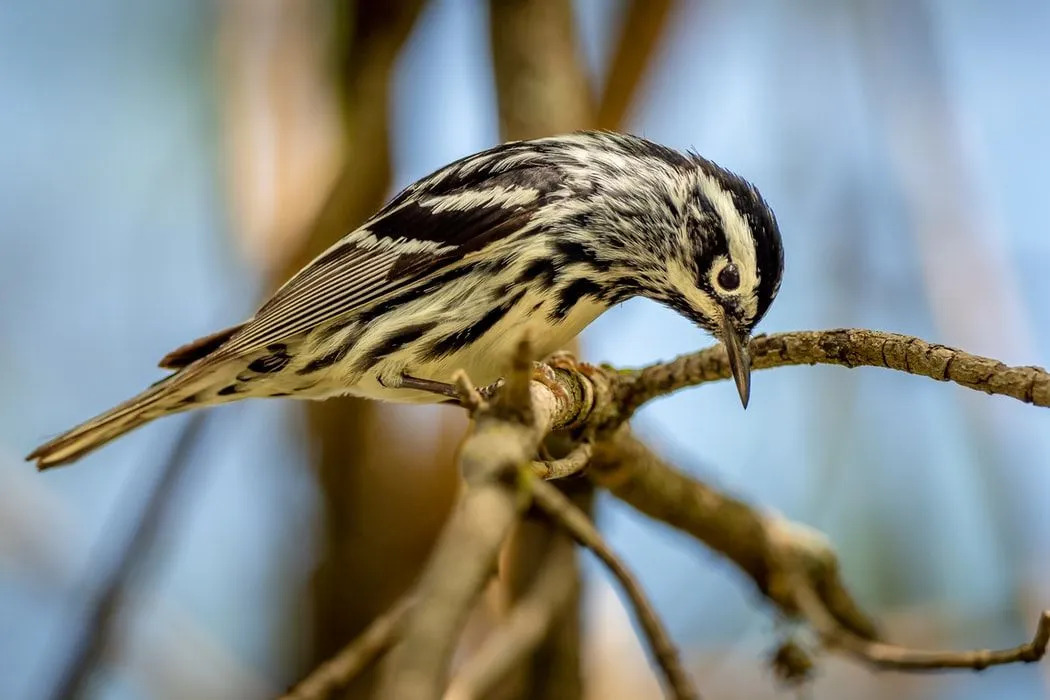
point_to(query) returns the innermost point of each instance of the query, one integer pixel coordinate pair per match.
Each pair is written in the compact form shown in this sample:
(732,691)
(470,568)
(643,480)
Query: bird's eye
(729,277)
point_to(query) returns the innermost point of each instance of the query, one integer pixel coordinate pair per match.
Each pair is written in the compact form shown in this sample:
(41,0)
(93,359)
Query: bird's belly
(486,359)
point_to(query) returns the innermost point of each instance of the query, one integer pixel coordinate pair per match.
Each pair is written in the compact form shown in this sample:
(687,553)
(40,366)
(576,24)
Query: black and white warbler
(531,237)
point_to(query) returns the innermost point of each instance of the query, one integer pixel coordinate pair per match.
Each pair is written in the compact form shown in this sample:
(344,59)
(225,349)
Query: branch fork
(793,566)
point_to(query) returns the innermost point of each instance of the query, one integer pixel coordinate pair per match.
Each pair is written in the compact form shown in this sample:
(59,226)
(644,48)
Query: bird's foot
(543,372)
(563,359)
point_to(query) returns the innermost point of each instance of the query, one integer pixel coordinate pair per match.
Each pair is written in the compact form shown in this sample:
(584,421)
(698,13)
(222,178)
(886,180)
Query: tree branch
(793,566)
(644,24)
(761,546)
(565,466)
(890,656)
(595,401)
(505,437)
(334,675)
(846,347)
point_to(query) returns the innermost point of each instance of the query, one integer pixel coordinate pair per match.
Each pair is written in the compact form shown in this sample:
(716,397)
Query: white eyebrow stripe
(739,237)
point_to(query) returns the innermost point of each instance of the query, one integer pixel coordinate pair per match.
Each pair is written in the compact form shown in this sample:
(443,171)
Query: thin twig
(576,523)
(890,656)
(94,636)
(470,397)
(336,673)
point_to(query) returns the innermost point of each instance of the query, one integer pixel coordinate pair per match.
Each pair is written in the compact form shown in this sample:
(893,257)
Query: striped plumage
(536,237)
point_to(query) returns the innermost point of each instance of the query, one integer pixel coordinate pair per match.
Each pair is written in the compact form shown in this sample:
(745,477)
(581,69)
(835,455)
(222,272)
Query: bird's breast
(534,316)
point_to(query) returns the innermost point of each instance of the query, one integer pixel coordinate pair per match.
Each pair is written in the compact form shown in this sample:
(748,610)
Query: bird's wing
(421,232)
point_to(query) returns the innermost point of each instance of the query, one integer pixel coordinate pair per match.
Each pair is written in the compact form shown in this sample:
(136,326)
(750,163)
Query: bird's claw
(543,372)
(563,359)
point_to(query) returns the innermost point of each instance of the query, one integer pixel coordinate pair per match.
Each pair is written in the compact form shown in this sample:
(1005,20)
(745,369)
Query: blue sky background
(905,204)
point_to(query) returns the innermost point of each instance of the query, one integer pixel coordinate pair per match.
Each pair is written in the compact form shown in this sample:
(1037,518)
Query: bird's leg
(407,381)
(431,386)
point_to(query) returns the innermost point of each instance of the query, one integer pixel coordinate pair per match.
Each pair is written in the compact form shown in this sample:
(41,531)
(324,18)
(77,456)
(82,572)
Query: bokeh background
(163,163)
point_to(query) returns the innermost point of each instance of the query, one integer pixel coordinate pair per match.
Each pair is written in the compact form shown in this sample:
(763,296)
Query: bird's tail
(175,393)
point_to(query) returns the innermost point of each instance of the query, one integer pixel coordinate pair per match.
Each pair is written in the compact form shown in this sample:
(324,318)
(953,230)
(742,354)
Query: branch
(568,465)
(791,565)
(641,31)
(505,437)
(890,656)
(541,81)
(577,524)
(595,401)
(336,673)
(761,546)
(846,347)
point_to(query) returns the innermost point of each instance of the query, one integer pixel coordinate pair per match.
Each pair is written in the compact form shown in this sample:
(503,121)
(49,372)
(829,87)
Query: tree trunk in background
(369,552)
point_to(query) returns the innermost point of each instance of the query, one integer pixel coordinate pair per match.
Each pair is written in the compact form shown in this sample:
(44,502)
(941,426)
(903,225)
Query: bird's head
(647,220)
(725,270)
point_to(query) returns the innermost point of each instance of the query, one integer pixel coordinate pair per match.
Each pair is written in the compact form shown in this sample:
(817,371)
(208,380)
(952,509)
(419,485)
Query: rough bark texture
(849,347)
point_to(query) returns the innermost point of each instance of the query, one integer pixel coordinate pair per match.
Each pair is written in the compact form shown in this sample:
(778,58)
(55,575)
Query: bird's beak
(739,359)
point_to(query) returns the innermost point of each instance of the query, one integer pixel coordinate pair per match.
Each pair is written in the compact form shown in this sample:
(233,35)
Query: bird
(532,238)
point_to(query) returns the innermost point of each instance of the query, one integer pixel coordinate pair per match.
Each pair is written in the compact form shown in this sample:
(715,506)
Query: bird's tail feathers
(172,394)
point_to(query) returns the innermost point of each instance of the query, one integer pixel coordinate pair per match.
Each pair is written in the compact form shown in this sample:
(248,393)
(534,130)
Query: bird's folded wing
(405,244)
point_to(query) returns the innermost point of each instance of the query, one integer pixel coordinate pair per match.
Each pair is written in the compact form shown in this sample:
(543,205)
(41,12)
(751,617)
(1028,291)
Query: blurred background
(164,163)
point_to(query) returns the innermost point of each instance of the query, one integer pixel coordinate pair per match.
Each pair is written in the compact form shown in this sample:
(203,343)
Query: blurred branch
(643,26)
(40,544)
(358,574)
(541,83)
(368,40)
(522,631)
(899,658)
(791,565)
(542,88)
(734,529)
(95,634)
(334,674)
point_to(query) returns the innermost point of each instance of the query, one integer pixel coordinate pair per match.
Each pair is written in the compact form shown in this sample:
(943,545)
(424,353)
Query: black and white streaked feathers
(506,193)
(531,237)
(482,202)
